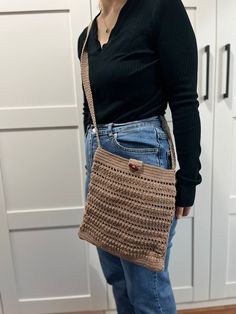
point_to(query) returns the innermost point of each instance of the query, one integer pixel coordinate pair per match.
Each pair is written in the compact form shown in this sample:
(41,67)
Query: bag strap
(87,89)
(85,79)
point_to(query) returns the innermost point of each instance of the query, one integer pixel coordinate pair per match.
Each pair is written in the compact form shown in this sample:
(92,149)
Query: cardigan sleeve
(86,113)
(176,47)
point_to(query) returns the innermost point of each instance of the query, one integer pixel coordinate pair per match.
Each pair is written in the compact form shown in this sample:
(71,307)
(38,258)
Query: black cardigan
(151,59)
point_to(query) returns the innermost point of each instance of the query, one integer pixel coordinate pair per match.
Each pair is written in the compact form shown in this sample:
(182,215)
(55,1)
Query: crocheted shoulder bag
(130,204)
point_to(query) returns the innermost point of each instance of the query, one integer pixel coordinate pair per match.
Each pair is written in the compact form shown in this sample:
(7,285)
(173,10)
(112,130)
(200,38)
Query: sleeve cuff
(185,195)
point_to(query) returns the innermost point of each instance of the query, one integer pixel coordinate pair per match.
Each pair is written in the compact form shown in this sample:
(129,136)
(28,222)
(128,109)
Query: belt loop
(109,129)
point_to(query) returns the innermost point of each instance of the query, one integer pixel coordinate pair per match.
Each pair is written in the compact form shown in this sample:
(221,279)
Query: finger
(186,211)
(179,212)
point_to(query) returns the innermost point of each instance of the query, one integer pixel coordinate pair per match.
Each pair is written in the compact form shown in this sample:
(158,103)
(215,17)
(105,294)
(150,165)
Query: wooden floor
(211,310)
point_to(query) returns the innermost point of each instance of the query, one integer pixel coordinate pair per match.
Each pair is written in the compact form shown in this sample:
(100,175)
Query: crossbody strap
(87,89)
(85,79)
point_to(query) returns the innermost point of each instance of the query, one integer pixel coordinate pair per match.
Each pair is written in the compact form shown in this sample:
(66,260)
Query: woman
(143,54)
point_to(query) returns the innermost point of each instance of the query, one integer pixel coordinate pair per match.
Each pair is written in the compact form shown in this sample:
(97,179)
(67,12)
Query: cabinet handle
(227,49)
(207,50)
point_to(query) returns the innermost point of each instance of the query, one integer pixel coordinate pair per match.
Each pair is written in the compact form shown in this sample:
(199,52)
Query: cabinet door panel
(223,275)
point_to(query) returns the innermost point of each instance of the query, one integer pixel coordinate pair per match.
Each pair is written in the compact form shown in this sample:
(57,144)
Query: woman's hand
(182,211)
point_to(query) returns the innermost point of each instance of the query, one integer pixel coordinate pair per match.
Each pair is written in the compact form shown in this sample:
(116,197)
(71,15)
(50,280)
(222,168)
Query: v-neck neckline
(103,47)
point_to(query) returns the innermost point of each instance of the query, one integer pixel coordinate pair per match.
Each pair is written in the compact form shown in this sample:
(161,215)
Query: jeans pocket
(148,143)
(137,140)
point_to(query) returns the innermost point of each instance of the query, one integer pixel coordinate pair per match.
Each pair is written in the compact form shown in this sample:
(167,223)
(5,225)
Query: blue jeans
(136,289)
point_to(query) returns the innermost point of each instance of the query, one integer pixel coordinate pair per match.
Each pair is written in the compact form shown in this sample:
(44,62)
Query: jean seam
(156,292)
(159,139)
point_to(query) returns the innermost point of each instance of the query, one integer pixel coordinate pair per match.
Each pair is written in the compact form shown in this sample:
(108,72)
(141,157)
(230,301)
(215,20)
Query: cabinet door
(223,275)
(44,266)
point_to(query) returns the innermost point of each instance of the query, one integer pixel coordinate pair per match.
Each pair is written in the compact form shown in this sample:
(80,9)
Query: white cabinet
(214,223)
(213,230)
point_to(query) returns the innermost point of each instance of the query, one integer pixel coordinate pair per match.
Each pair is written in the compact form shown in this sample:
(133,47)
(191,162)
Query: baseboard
(228,309)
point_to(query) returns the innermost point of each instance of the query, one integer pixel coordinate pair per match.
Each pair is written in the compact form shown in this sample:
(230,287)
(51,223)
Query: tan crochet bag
(130,204)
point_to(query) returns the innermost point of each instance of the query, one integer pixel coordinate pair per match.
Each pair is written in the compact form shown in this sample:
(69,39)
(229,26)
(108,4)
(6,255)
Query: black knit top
(151,59)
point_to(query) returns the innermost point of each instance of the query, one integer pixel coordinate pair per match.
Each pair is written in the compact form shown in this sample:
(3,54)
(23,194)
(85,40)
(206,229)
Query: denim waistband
(104,127)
